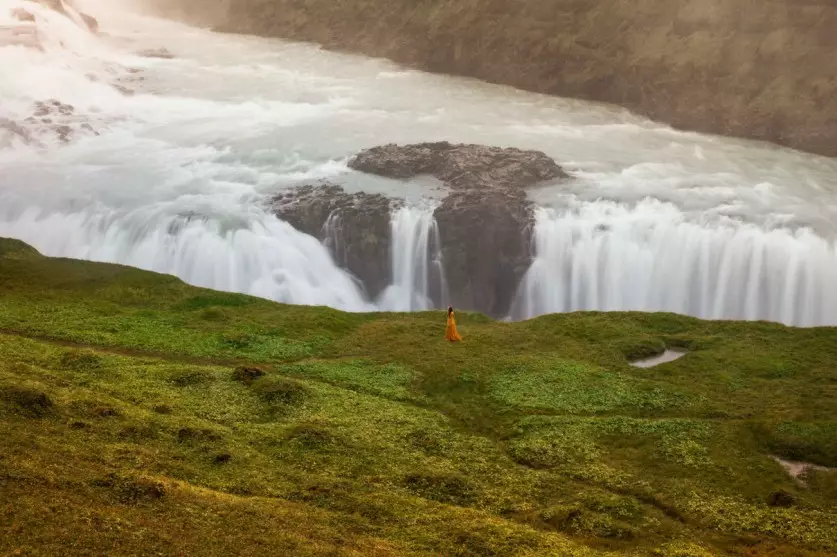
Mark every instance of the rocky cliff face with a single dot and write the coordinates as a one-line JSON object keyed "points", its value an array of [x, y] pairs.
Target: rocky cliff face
{"points": [[355, 228], [484, 222], [762, 70]]}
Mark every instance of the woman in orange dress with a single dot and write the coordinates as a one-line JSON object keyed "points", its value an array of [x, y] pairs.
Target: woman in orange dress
{"points": [[450, 329]]}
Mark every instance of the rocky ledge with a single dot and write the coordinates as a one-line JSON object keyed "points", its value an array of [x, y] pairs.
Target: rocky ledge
{"points": [[354, 227], [484, 222]]}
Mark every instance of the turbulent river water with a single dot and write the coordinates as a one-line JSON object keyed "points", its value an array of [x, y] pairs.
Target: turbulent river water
{"points": [[173, 177]]}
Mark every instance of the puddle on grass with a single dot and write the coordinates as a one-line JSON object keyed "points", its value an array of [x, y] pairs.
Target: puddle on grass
{"points": [[796, 469], [667, 356]]}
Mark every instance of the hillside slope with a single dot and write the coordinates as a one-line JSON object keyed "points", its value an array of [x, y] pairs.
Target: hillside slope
{"points": [[762, 70], [142, 416]]}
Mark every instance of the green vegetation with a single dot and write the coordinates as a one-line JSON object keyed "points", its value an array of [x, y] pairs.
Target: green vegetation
{"points": [[139, 415]]}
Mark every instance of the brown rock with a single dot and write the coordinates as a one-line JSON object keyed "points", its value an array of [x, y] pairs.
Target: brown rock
{"points": [[354, 227], [485, 222]]}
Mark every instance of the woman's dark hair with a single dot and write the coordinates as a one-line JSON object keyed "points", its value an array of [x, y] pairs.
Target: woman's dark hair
{"points": [[450, 310]]}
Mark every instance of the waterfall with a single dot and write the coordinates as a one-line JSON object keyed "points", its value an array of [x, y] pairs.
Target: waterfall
{"points": [[261, 255], [417, 268], [606, 256]]}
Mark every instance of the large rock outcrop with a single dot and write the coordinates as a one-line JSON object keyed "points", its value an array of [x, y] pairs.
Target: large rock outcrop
{"points": [[762, 70], [354, 227], [484, 222]]}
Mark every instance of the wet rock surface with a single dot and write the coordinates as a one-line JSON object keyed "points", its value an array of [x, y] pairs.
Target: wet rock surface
{"points": [[156, 53], [23, 15], [91, 22], [484, 222], [354, 227], [50, 120]]}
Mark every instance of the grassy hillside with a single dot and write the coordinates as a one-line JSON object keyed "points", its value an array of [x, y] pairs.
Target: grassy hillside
{"points": [[756, 69], [135, 420]]}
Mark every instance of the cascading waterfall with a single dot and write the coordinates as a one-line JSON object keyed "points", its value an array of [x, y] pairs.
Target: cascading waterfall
{"points": [[259, 255], [607, 256], [166, 164], [416, 262]]}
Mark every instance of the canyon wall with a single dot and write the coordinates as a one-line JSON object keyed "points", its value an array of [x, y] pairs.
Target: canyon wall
{"points": [[760, 69]]}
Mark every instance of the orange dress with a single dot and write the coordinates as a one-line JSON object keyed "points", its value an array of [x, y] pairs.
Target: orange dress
{"points": [[450, 329]]}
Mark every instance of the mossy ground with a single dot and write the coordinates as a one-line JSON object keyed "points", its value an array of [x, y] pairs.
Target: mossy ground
{"points": [[126, 429]]}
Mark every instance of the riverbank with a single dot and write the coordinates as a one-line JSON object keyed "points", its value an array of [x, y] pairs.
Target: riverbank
{"points": [[714, 67]]}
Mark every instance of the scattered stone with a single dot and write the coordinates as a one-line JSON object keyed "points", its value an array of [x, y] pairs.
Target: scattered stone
{"points": [[156, 53], [247, 374], [15, 129], [124, 90], [781, 498]]}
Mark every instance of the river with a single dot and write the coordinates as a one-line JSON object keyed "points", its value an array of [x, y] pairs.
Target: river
{"points": [[173, 177]]}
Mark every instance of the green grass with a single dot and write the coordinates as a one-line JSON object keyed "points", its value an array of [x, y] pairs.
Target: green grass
{"points": [[128, 421]]}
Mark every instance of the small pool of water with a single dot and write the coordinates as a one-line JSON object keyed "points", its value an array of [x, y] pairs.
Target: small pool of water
{"points": [[667, 356]]}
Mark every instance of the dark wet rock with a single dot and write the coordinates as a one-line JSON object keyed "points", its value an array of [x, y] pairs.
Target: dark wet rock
{"points": [[23, 15], [156, 53], [460, 166], [53, 119], [15, 129], [91, 22], [485, 222], [124, 90], [354, 227]]}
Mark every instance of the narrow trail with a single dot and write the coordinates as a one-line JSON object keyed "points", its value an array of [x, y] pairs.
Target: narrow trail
{"points": [[170, 356]]}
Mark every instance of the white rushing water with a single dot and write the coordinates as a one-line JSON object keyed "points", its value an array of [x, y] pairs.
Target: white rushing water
{"points": [[174, 176], [417, 264], [604, 256]]}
